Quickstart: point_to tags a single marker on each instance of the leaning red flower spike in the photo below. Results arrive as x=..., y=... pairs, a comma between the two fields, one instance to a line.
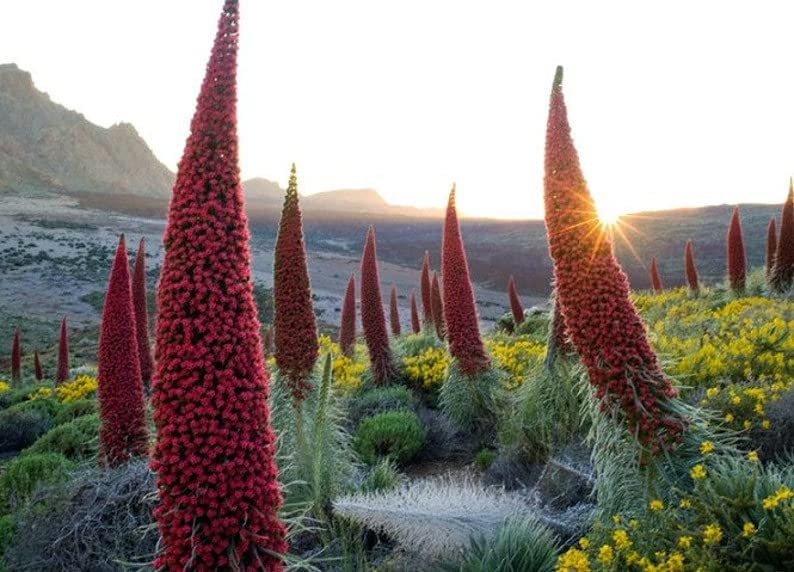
x=62, y=373
x=37, y=370
x=122, y=411
x=372, y=316
x=16, y=358
x=593, y=293
x=142, y=315
x=438, y=307
x=427, y=302
x=460, y=310
x=394, y=312
x=416, y=325
x=737, y=264
x=656, y=280
x=347, y=328
x=214, y=457
x=691, y=270
x=783, y=275
x=515, y=302
x=295, y=324
x=771, y=248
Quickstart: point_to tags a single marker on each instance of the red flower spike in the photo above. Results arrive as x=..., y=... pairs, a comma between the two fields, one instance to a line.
x=295, y=324
x=122, y=411
x=515, y=302
x=593, y=293
x=416, y=325
x=427, y=302
x=347, y=328
x=16, y=358
x=783, y=275
x=771, y=249
x=656, y=280
x=214, y=457
x=460, y=310
x=142, y=315
x=62, y=373
x=438, y=307
x=558, y=333
x=37, y=370
x=394, y=313
x=737, y=262
x=691, y=270
x=372, y=315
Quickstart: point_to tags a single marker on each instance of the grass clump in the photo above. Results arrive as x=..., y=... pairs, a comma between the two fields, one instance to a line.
x=74, y=409
x=384, y=476
x=377, y=400
x=77, y=439
x=24, y=474
x=397, y=435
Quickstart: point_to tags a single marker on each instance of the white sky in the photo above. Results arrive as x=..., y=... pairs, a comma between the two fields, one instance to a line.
x=679, y=104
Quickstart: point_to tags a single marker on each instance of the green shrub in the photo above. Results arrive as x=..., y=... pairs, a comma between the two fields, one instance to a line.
x=484, y=459
x=74, y=409
x=384, y=476
x=18, y=429
x=373, y=401
x=397, y=435
x=8, y=532
x=77, y=439
x=469, y=400
x=48, y=408
x=14, y=396
x=414, y=344
x=25, y=473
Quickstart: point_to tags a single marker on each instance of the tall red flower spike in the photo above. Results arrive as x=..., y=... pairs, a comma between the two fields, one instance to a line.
x=656, y=280
x=771, y=248
x=394, y=312
x=460, y=310
x=217, y=480
x=691, y=270
x=267, y=342
x=62, y=373
x=416, y=325
x=295, y=324
x=784, y=256
x=122, y=411
x=16, y=358
x=593, y=293
x=347, y=328
x=37, y=370
x=142, y=315
x=427, y=302
x=737, y=262
x=515, y=302
x=438, y=307
x=372, y=315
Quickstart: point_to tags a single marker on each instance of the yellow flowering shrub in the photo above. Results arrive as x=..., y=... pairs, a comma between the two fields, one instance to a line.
x=427, y=369
x=40, y=393
x=4, y=386
x=516, y=356
x=348, y=372
x=80, y=387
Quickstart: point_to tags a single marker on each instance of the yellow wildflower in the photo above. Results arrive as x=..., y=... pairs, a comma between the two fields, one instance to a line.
x=712, y=534
x=698, y=472
x=606, y=554
x=685, y=542
x=706, y=447
x=752, y=456
x=621, y=539
x=573, y=560
x=749, y=529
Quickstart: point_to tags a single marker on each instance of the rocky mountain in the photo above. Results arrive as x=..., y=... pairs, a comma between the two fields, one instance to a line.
x=44, y=146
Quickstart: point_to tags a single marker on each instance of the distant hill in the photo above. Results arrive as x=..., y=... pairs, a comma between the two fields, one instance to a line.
x=44, y=146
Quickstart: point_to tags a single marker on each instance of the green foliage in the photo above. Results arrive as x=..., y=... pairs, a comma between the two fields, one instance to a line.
x=535, y=325
x=77, y=439
x=74, y=409
x=397, y=435
x=46, y=408
x=369, y=402
x=469, y=400
x=8, y=532
x=484, y=458
x=383, y=476
x=14, y=396
x=18, y=429
x=25, y=473
x=414, y=344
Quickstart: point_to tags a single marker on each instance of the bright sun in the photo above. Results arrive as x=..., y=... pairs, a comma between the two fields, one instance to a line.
x=608, y=212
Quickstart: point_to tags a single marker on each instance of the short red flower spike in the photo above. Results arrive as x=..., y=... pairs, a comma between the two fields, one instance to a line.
x=16, y=358
x=515, y=302
x=593, y=293
x=460, y=310
x=37, y=370
x=62, y=373
x=737, y=262
x=216, y=476
x=373, y=318
x=656, y=280
x=347, y=327
x=689, y=266
x=427, y=302
x=142, y=315
x=771, y=249
x=295, y=324
x=416, y=325
x=122, y=411
x=438, y=307
x=394, y=313
x=783, y=275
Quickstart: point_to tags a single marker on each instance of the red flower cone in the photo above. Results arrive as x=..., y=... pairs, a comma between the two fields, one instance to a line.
x=691, y=270
x=515, y=302
x=62, y=373
x=38, y=372
x=416, y=325
x=214, y=457
x=122, y=411
x=771, y=249
x=425, y=290
x=297, y=347
x=372, y=315
x=783, y=275
x=438, y=307
x=142, y=315
x=737, y=263
x=460, y=310
x=656, y=280
x=593, y=293
x=16, y=358
x=347, y=328
x=394, y=312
